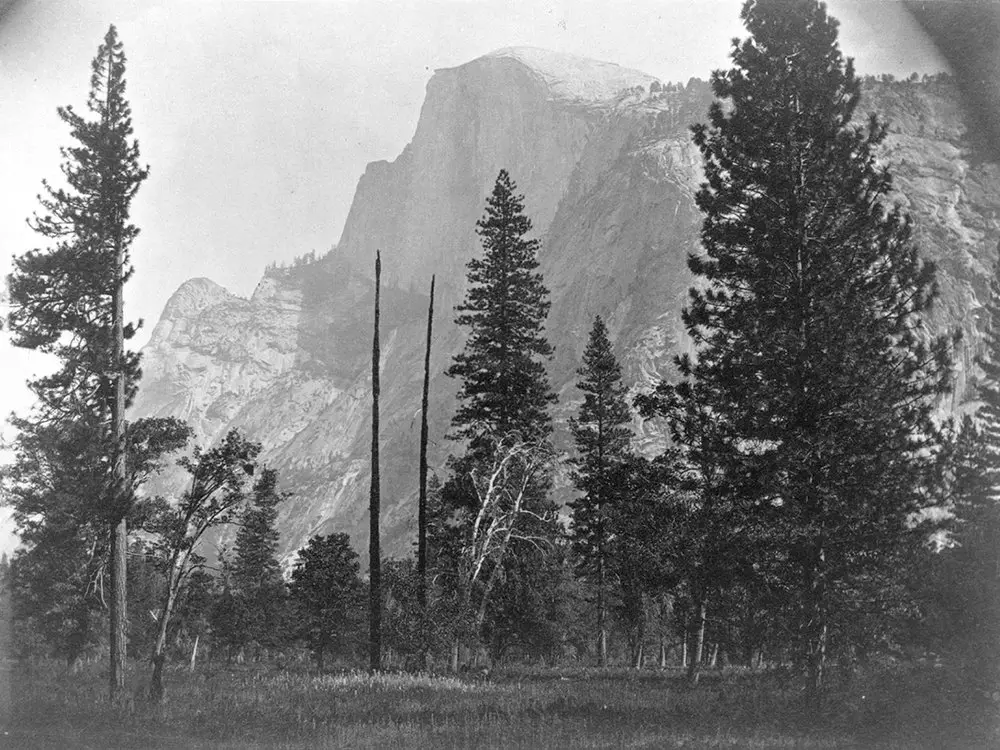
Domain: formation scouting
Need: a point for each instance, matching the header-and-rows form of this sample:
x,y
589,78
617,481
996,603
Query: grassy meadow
x,y
260,706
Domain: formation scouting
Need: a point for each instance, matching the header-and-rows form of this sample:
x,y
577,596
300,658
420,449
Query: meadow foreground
x,y
262,706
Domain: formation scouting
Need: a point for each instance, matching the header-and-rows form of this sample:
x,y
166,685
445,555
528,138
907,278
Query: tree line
x,y
811,507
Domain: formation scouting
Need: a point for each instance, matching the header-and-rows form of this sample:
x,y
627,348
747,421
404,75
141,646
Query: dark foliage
x,y
504,386
812,357
328,597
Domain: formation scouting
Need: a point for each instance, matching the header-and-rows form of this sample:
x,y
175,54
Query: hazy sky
x,y
257,118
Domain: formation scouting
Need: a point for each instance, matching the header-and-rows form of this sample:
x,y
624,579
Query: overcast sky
x,y
257,118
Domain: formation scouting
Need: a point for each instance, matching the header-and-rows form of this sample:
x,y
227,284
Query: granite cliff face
x,y
604,158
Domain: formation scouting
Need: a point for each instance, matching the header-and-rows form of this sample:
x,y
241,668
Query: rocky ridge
x,y
604,158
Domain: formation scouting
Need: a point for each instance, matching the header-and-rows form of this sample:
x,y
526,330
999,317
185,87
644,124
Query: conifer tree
x,y
504,397
971,566
603,441
504,386
807,323
328,596
67,299
255,575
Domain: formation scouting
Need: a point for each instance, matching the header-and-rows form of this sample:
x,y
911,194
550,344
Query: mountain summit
x,y
568,77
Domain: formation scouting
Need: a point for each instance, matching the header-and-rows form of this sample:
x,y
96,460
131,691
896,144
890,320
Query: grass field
x,y
261,706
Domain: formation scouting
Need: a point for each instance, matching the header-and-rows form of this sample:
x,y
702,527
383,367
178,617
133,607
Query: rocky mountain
x,y
604,158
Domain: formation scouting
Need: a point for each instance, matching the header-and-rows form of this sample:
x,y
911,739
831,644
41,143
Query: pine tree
x,y
970,588
504,397
255,574
58,471
67,300
807,324
603,442
504,386
328,596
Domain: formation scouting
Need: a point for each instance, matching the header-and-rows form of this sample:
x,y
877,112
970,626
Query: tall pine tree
x,y
504,386
67,299
603,443
807,324
504,398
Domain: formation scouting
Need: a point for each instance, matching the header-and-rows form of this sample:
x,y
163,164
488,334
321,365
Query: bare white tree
x,y
502,482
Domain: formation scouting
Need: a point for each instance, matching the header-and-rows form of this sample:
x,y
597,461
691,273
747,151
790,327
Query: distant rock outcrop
x,y
604,157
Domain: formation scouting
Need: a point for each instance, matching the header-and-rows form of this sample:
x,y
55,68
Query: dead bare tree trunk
x,y
422,503
374,553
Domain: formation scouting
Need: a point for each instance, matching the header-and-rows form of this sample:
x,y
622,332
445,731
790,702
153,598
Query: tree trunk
x,y
665,612
713,660
422,503
374,553
194,653
638,656
160,647
694,666
118,614
602,613
817,633
484,603
454,656
119,491
817,667
156,681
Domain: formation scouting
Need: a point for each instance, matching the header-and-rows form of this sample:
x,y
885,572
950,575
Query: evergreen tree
x,y
807,323
60,568
328,596
967,574
255,575
67,299
707,521
603,442
504,386
504,398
